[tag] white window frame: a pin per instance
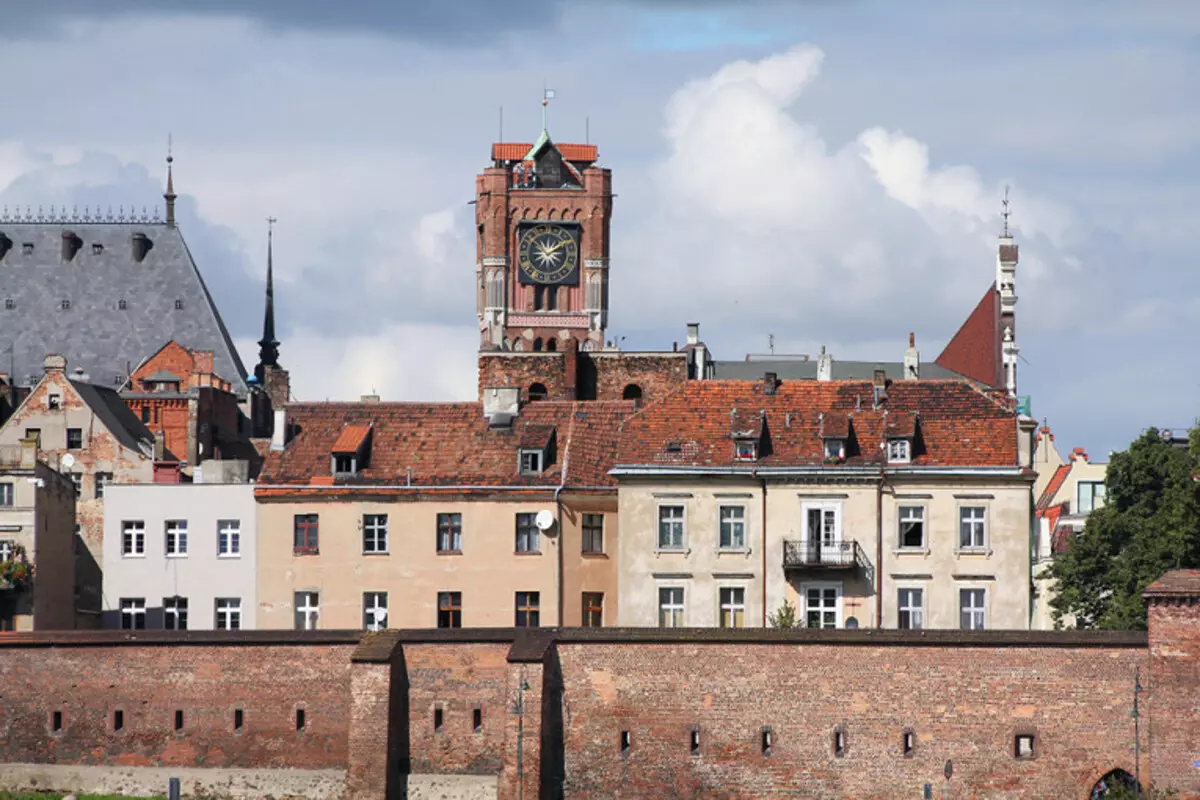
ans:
(133, 538)
(227, 610)
(229, 538)
(734, 522)
(822, 586)
(903, 452)
(973, 548)
(900, 520)
(175, 538)
(311, 612)
(375, 530)
(678, 610)
(835, 448)
(370, 620)
(731, 606)
(7, 548)
(902, 607)
(534, 455)
(1079, 496)
(172, 609)
(134, 607)
(683, 531)
(8, 495)
(823, 506)
(978, 612)
(745, 450)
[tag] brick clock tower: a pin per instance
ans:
(542, 213)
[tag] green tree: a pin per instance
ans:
(1150, 524)
(785, 617)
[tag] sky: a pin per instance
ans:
(826, 172)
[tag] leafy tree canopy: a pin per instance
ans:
(1149, 525)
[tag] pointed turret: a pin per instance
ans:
(169, 195)
(268, 345)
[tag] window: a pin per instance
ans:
(1023, 745)
(56, 720)
(133, 538)
(65, 304)
(1090, 496)
(449, 610)
(179, 720)
(972, 611)
(972, 528)
(912, 527)
(344, 465)
(476, 719)
(670, 527)
(229, 538)
(670, 607)
(531, 462)
(835, 449)
(145, 413)
(133, 613)
(768, 740)
(839, 742)
(122, 305)
(300, 719)
(118, 720)
(745, 450)
(375, 533)
(593, 609)
(6, 494)
(9, 304)
(528, 535)
(178, 305)
(438, 719)
(733, 527)
(7, 548)
(694, 741)
(733, 607)
(305, 535)
(239, 719)
(74, 438)
(908, 743)
(899, 450)
(175, 613)
(823, 605)
(537, 391)
(177, 544)
(308, 610)
(375, 611)
(54, 402)
(77, 479)
(229, 614)
(528, 615)
(822, 533)
(911, 603)
(35, 434)
(449, 533)
(102, 480)
(626, 742)
(593, 533)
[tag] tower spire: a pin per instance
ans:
(547, 96)
(169, 195)
(1005, 213)
(268, 346)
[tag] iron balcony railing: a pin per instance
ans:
(835, 555)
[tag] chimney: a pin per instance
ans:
(160, 445)
(168, 472)
(70, 245)
(80, 375)
(202, 362)
(501, 405)
(693, 333)
(912, 359)
(824, 366)
(369, 398)
(54, 363)
(879, 378)
(879, 387)
(571, 368)
(141, 246)
(770, 382)
(279, 432)
(29, 448)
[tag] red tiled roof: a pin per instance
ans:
(975, 350)
(960, 425)
(515, 151)
(1056, 481)
(447, 444)
(835, 426)
(1176, 583)
(351, 439)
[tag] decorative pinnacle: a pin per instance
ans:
(1006, 213)
(169, 195)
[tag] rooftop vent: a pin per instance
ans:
(141, 246)
(770, 383)
(501, 405)
(71, 244)
(5, 245)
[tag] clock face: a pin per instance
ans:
(549, 254)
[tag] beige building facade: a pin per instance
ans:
(37, 521)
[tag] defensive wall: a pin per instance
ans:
(600, 713)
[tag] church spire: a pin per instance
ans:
(268, 346)
(169, 195)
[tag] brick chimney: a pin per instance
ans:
(824, 366)
(770, 383)
(912, 359)
(202, 362)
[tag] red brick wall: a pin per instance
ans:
(1174, 687)
(599, 376)
(150, 682)
(655, 373)
(496, 370)
(963, 703)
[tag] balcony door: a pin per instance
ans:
(822, 604)
(822, 532)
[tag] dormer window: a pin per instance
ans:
(835, 449)
(54, 401)
(351, 450)
(899, 451)
(745, 449)
(532, 462)
(344, 465)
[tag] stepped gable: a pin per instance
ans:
(954, 424)
(50, 303)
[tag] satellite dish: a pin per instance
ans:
(544, 520)
(68, 460)
(381, 615)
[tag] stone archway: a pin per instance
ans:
(1113, 782)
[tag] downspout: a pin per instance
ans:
(559, 578)
(879, 550)
(763, 546)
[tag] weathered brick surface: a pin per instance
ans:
(150, 682)
(965, 704)
(523, 370)
(1174, 686)
(655, 374)
(595, 376)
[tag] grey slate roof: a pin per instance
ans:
(112, 412)
(786, 369)
(94, 333)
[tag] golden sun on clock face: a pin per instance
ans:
(548, 253)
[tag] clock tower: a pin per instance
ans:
(542, 220)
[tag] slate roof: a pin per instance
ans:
(798, 369)
(112, 412)
(448, 444)
(974, 351)
(957, 424)
(94, 333)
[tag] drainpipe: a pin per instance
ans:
(764, 551)
(879, 550)
(561, 543)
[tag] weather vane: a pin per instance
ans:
(1006, 213)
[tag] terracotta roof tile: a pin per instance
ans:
(1056, 483)
(446, 444)
(351, 438)
(975, 350)
(902, 426)
(835, 426)
(1176, 583)
(515, 151)
(960, 424)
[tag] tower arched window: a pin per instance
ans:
(537, 345)
(632, 392)
(552, 344)
(537, 391)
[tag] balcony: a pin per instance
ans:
(818, 556)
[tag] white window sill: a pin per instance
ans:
(734, 551)
(133, 555)
(177, 555)
(973, 551)
(910, 551)
(376, 553)
(229, 555)
(679, 551)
